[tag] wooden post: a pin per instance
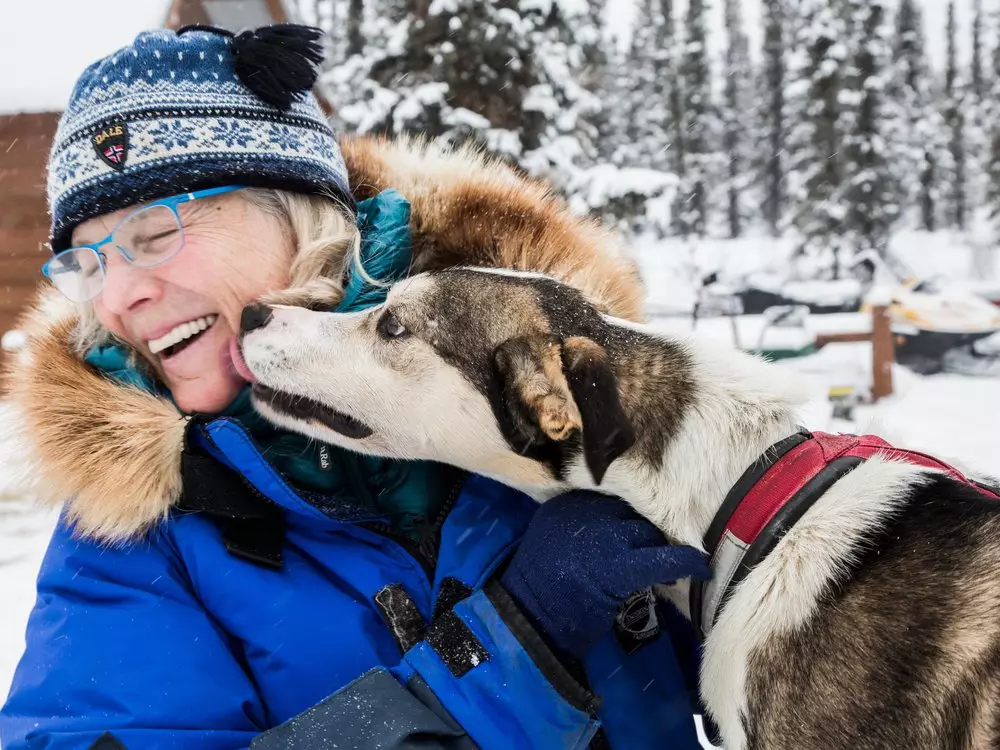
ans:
(883, 352)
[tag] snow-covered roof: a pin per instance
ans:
(46, 44)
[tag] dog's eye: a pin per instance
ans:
(389, 327)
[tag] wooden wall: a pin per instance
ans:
(24, 223)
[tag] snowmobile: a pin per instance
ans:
(937, 327)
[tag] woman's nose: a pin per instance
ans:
(255, 316)
(127, 286)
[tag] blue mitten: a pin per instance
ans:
(582, 556)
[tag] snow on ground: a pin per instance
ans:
(24, 532)
(948, 415)
(951, 416)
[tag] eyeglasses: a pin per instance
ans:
(147, 237)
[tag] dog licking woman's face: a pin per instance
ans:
(374, 381)
(458, 366)
(233, 253)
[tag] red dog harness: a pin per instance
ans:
(774, 493)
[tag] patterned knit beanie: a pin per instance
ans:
(181, 111)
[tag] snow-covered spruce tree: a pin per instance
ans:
(355, 21)
(557, 133)
(612, 83)
(954, 114)
(816, 170)
(362, 86)
(700, 157)
(977, 78)
(613, 122)
(734, 112)
(774, 110)
(993, 165)
(503, 74)
(918, 138)
(675, 105)
(871, 189)
(632, 184)
(974, 109)
(651, 77)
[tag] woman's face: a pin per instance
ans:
(233, 253)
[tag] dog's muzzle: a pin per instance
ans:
(308, 410)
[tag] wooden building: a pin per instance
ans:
(30, 107)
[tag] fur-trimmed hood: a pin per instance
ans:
(112, 452)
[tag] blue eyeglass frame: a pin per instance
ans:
(172, 203)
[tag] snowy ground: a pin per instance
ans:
(950, 416)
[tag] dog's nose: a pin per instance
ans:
(255, 316)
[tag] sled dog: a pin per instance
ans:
(855, 598)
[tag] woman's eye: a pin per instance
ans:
(389, 327)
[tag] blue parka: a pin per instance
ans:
(212, 632)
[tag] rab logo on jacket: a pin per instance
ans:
(111, 144)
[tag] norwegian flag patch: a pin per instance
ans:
(111, 144)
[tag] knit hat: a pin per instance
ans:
(176, 112)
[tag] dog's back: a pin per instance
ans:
(903, 653)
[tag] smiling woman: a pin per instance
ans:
(324, 593)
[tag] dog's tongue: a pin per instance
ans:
(240, 364)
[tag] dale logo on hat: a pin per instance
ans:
(111, 144)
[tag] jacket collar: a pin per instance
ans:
(775, 492)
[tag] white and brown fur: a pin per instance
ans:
(112, 453)
(874, 623)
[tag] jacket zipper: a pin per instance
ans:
(425, 548)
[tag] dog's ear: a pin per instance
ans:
(536, 399)
(551, 390)
(607, 431)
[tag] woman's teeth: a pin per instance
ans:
(180, 333)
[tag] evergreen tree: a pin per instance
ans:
(975, 111)
(518, 77)
(355, 20)
(775, 116)
(700, 159)
(977, 82)
(650, 69)
(993, 165)
(558, 132)
(677, 123)
(738, 80)
(919, 145)
(615, 84)
(955, 118)
(816, 176)
(871, 193)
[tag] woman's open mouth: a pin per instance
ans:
(308, 410)
(181, 337)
